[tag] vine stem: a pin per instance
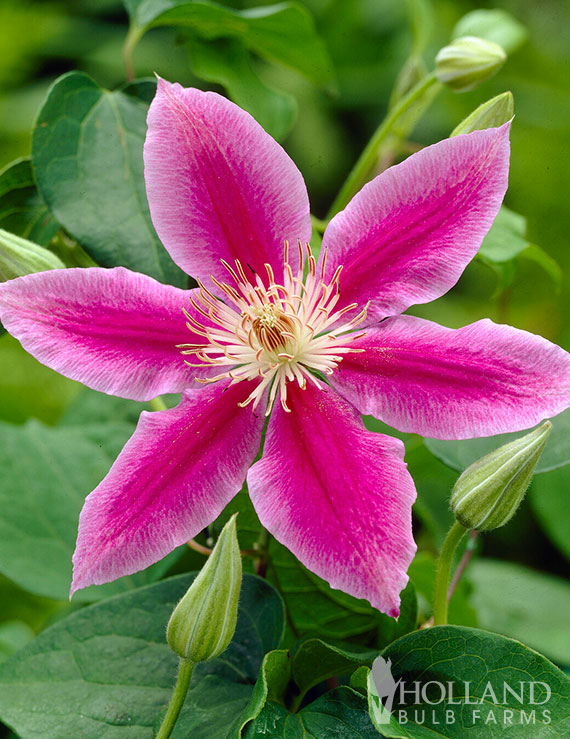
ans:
(133, 37)
(178, 697)
(440, 602)
(469, 551)
(367, 160)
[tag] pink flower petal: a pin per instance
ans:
(114, 330)
(407, 236)
(338, 496)
(218, 186)
(479, 380)
(174, 477)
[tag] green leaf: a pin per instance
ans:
(284, 33)
(453, 655)
(13, 636)
(47, 472)
(550, 502)
(506, 238)
(460, 454)
(313, 661)
(87, 158)
(28, 388)
(22, 209)
(521, 603)
(506, 242)
(228, 63)
(107, 670)
(312, 605)
(340, 713)
(91, 407)
(18, 605)
(271, 685)
(493, 25)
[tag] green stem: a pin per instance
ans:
(454, 536)
(133, 37)
(157, 404)
(361, 171)
(177, 700)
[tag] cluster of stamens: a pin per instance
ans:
(277, 333)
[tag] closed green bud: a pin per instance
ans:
(467, 62)
(204, 621)
(19, 257)
(492, 114)
(489, 492)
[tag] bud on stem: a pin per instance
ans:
(20, 257)
(489, 492)
(467, 62)
(203, 623)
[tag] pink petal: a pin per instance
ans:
(407, 236)
(113, 330)
(479, 380)
(174, 477)
(338, 496)
(218, 186)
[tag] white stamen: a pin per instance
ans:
(276, 333)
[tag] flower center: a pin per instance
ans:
(272, 327)
(276, 333)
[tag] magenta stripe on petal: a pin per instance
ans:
(173, 478)
(113, 330)
(444, 383)
(338, 496)
(219, 186)
(407, 236)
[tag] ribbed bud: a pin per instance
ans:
(492, 114)
(19, 257)
(467, 62)
(489, 492)
(204, 621)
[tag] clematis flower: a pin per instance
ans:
(270, 330)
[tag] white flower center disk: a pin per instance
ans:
(277, 333)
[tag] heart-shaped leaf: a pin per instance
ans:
(87, 158)
(47, 472)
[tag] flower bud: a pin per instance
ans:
(19, 257)
(204, 621)
(492, 114)
(489, 492)
(467, 62)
